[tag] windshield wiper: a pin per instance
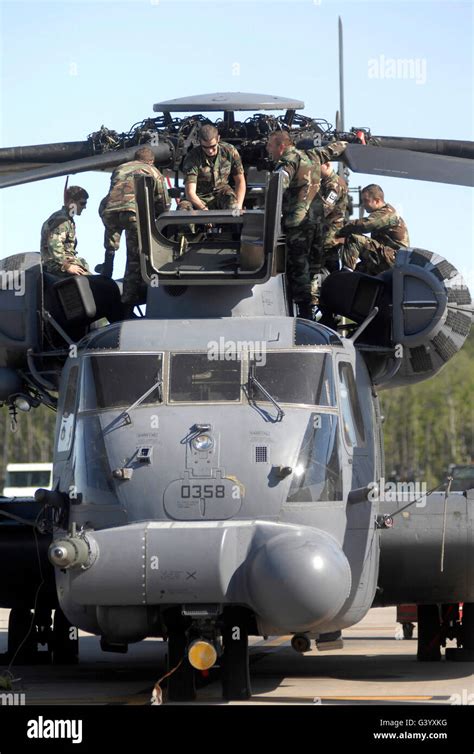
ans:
(126, 412)
(253, 381)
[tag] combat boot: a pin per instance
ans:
(107, 267)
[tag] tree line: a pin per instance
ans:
(430, 425)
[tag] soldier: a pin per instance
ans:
(60, 258)
(207, 170)
(332, 203)
(118, 213)
(302, 175)
(58, 236)
(388, 233)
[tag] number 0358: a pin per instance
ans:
(197, 491)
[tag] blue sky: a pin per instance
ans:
(66, 68)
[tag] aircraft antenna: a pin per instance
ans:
(341, 74)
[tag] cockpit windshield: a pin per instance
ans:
(295, 378)
(194, 377)
(118, 380)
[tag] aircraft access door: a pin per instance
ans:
(244, 251)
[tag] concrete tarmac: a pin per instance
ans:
(375, 666)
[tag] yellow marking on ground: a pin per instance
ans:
(99, 700)
(375, 698)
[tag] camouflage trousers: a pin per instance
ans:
(324, 246)
(375, 257)
(298, 246)
(134, 289)
(327, 258)
(323, 250)
(223, 198)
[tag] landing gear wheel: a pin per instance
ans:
(467, 626)
(235, 659)
(65, 641)
(181, 684)
(22, 637)
(408, 630)
(429, 634)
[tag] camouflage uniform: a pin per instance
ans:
(211, 174)
(302, 177)
(330, 208)
(58, 247)
(388, 233)
(58, 243)
(118, 213)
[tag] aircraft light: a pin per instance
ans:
(22, 404)
(202, 654)
(203, 442)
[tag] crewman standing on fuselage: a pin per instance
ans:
(302, 176)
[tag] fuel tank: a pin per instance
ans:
(292, 577)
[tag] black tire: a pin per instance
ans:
(429, 633)
(467, 625)
(181, 684)
(65, 640)
(22, 640)
(235, 659)
(408, 630)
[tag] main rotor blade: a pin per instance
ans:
(447, 147)
(18, 158)
(162, 151)
(418, 166)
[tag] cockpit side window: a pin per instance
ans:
(298, 377)
(317, 474)
(194, 377)
(71, 393)
(67, 415)
(353, 422)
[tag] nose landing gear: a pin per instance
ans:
(229, 635)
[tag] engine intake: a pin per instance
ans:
(423, 320)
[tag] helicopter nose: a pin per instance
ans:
(298, 580)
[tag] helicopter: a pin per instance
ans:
(218, 462)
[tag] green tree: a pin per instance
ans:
(430, 425)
